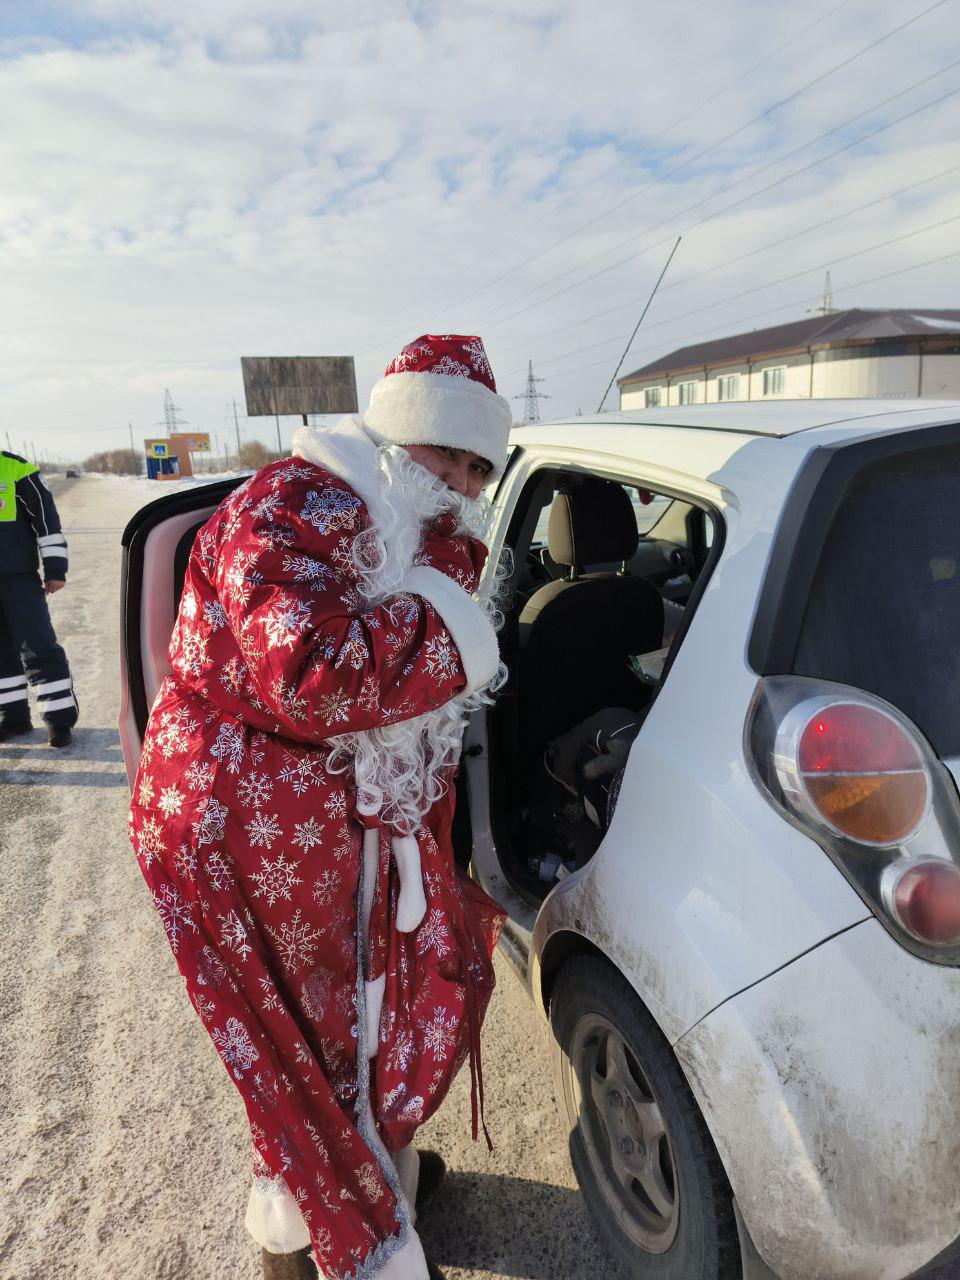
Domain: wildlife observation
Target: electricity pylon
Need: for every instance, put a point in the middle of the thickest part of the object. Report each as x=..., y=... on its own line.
x=171, y=414
x=531, y=397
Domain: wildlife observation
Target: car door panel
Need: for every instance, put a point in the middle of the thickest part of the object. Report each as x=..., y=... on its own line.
x=149, y=597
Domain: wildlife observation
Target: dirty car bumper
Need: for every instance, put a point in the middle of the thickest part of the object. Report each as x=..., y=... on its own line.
x=832, y=1090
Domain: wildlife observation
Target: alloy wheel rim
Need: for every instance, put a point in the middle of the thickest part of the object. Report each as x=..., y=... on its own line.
x=624, y=1134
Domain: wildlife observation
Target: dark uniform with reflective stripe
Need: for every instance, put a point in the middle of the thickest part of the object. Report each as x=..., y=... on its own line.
x=30, y=531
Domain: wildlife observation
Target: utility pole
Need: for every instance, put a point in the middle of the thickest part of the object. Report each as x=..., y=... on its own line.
x=9, y=445
x=226, y=439
x=643, y=313
x=130, y=426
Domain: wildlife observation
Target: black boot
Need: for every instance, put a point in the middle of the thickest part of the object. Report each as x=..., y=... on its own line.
x=13, y=729
x=434, y=1271
x=59, y=735
x=432, y=1173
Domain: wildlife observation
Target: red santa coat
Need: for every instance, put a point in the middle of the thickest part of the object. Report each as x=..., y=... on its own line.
x=254, y=850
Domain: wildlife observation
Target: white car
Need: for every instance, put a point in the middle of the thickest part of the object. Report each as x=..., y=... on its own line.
x=752, y=975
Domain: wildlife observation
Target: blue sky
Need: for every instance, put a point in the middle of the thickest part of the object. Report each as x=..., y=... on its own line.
x=35, y=24
x=183, y=184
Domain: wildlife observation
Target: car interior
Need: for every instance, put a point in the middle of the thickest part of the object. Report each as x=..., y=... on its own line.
x=604, y=572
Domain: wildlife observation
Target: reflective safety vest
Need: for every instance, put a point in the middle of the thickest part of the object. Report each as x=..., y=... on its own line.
x=29, y=522
x=11, y=470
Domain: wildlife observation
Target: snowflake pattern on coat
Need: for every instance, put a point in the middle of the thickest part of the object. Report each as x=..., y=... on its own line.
x=251, y=848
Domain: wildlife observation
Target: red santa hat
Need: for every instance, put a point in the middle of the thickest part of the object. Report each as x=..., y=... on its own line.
x=440, y=390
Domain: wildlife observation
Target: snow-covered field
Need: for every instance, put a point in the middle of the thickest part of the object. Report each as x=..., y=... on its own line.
x=122, y=1144
x=140, y=490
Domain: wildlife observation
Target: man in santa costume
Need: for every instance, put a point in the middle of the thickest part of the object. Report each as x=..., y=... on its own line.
x=293, y=805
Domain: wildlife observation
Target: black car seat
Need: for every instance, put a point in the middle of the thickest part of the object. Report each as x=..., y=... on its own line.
x=576, y=635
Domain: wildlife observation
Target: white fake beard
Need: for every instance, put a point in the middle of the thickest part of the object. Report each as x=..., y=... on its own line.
x=410, y=497
x=401, y=770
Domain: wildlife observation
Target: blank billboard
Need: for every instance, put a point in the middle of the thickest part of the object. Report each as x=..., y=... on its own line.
x=298, y=385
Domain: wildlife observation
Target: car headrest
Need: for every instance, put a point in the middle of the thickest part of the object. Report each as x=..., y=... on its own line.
x=592, y=522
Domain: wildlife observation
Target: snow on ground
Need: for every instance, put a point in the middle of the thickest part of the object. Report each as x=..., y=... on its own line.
x=147, y=490
x=123, y=1151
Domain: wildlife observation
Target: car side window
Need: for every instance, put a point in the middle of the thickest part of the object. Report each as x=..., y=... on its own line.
x=540, y=532
x=648, y=507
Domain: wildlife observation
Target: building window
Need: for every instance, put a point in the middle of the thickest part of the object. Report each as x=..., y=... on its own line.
x=687, y=393
x=728, y=387
x=651, y=397
x=774, y=379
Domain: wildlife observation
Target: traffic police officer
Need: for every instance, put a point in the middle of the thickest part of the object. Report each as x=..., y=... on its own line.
x=30, y=532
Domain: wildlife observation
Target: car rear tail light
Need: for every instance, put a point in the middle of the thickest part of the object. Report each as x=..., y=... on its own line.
x=855, y=774
x=857, y=769
x=925, y=898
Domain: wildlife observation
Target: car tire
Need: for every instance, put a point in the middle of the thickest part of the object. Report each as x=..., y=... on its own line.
x=646, y=1164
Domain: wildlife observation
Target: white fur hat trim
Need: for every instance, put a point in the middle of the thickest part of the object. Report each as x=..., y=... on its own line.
x=441, y=409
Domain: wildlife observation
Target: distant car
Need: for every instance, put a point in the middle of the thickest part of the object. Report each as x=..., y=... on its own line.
x=72, y=473
x=752, y=979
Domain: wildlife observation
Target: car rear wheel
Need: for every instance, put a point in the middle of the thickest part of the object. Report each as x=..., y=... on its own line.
x=646, y=1165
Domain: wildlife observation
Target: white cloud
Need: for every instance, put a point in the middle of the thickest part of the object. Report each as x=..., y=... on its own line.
x=184, y=184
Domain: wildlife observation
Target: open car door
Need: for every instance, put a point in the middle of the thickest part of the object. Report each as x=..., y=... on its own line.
x=156, y=548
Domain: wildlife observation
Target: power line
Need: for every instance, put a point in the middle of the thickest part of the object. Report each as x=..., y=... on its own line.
x=729, y=187
x=729, y=262
x=750, y=70
x=585, y=186
x=736, y=204
x=745, y=293
x=788, y=306
x=767, y=111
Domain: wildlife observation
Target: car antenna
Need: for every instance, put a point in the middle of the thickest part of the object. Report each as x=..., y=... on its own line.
x=639, y=323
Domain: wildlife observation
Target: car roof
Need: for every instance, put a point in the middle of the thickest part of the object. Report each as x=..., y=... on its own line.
x=729, y=444
x=777, y=419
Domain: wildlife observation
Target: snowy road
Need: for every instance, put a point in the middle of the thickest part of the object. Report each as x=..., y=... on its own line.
x=123, y=1151
x=123, y=1144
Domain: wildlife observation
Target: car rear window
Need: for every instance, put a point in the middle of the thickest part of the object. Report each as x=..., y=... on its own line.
x=884, y=609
